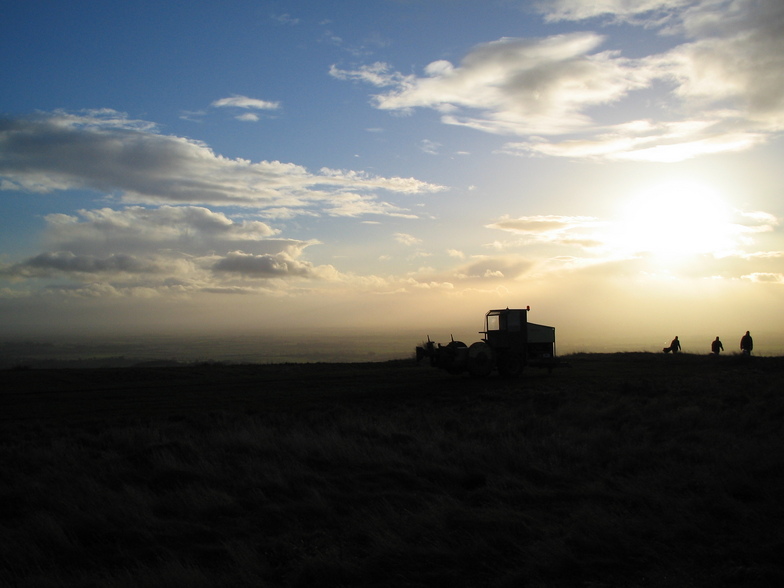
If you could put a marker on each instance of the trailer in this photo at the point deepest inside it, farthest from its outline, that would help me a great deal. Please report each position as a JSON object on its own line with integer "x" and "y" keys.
{"x": 510, "y": 343}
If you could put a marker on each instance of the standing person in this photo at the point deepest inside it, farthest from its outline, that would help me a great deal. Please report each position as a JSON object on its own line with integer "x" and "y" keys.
{"x": 746, "y": 344}
{"x": 675, "y": 346}
{"x": 716, "y": 346}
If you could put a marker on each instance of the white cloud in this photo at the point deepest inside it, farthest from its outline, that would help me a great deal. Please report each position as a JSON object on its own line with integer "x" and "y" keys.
{"x": 542, "y": 223}
{"x": 767, "y": 278}
{"x": 756, "y": 221}
{"x": 644, "y": 140}
{"x": 263, "y": 266}
{"x": 285, "y": 19}
{"x": 406, "y": 239}
{"x": 66, "y": 262}
{"x": 362, "y": 180}
{"x": 429, "y": 147}
{"x": 719, "y": 88}
{"x": 168, "y": 249}
{"x": 612, "y": 248}
{"x": 353, "y": 205}
{"x": 109, "y": 153}
{"x": 492, "y": 268}
{"x": 737, "y": 58}
{"x": 188, "y": 228}
{"x": 245, "y": 102}
{"x": 519, "y": 85}
{"x": 557, "y": 10}
{"x": 578, "y": 231}
{"x": 378, "y": 74}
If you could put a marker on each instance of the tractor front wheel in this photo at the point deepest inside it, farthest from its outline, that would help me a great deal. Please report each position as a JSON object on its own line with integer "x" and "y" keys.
{"x": 480, "y": 359}
{"x": 510, "y": 365}
{"x": 452, "y": 363}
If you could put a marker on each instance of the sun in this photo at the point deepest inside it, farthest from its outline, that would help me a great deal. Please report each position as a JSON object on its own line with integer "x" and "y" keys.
{"x": 676, "y": 220}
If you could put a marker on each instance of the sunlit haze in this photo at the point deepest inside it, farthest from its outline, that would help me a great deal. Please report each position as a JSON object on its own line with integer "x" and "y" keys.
{"x": 290, "y": 170}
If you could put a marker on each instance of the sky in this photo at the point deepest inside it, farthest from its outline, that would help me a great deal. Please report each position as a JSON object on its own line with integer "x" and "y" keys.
{"x": 314, "y": 167}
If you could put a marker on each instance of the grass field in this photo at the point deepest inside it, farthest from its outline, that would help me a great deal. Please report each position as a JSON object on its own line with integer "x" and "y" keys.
{"x": 625, "y": 470}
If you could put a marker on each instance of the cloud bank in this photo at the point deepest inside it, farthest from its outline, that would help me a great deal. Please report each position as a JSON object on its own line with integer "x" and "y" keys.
{"x": 106, "y": 152}
{"x": 719, "y": 88}
{"x": 159, "y": 231}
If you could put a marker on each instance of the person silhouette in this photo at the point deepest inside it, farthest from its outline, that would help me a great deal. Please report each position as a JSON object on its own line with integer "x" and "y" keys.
{"x": 746, "y": 344}
{"x": 716, "y": 346}
{"x": 675, "y": 346}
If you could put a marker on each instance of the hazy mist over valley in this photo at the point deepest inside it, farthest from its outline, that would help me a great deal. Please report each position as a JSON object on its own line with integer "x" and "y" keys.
{"x": 248, "y": 348}
{"x": 298, "y": 346}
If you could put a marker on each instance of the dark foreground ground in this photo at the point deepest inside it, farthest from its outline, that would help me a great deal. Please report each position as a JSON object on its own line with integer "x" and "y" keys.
{"x": 621, "y": 470}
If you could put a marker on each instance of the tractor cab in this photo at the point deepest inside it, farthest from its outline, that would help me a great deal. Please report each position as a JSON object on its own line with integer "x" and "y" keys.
{"x": 505, "y": 329}
{"x": 509, "y": 332}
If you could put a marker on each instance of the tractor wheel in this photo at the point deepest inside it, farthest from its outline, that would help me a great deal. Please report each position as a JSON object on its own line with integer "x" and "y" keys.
{"x": 480, "y": 359}
{"x": 452, "y": 365}
{"x": 510, "y": 365}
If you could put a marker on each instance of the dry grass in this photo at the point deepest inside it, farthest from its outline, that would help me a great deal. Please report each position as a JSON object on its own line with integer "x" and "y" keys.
{"x": 625, "y": 470}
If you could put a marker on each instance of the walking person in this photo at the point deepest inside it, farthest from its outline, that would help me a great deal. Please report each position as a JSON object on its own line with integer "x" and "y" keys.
{"x": 675, "y": 346}
{"x": 746, "y": 344}
{"x": 716, "y": 346}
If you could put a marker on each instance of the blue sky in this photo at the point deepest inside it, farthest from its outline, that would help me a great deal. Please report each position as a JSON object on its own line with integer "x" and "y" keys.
{"x": 394, "y": 165}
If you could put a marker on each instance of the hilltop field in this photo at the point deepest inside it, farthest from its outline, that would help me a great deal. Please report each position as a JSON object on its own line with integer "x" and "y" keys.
{"x": 627, "y": 470}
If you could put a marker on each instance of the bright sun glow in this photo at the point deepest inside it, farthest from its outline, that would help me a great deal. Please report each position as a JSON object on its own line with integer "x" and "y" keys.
{"x": 675, "y": 220}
